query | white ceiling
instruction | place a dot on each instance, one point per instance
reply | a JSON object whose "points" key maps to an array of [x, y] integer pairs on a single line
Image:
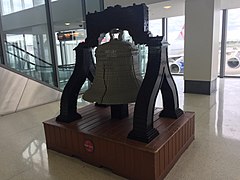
{"points": [[230, 4], [129, 2], [157, 11]]}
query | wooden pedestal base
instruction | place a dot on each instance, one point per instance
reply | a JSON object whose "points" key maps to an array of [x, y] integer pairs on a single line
{"points": [[103, 142]]}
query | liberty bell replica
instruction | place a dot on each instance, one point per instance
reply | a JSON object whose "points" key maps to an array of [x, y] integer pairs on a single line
{"points": [[115, 82]]}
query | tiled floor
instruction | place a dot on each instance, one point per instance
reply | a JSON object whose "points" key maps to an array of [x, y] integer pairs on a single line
{"points": [[214, 154]]}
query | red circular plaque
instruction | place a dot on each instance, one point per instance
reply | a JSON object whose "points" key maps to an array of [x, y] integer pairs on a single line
{"points": [[88, 145]]}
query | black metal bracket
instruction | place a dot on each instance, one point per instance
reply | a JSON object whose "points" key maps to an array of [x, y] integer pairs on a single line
{"points": [[119, 111], [133, 18], [157, 77], [84, 68]]}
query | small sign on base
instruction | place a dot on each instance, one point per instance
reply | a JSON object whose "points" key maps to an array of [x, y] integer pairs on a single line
{"points": [[103, 142]]}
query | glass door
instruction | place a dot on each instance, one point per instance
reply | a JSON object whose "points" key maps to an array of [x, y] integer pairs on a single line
{"points": [[176, 44], [66, 41], [232, 66]]}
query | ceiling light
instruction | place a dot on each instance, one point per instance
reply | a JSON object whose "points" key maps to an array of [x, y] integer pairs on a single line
{"points": [[167, 7], [67, 23]]}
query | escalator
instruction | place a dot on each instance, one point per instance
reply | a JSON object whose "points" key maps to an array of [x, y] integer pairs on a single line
{"points": [[29, 64], [27, 80], [37, 68]]}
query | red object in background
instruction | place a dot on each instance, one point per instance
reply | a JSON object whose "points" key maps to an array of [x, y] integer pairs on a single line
{"points": [[88, 145]]}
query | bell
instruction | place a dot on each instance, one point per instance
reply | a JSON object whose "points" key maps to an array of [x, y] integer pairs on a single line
{"points": [[115, 81]]}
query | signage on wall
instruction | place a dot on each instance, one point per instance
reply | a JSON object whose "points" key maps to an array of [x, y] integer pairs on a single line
{"points": [[89, 146], [68, 36]]}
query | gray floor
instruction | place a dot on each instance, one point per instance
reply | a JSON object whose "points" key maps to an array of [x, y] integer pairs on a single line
{"points": [[214, 154]]}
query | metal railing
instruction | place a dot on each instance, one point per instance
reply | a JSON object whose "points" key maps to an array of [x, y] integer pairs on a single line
{"points": [[39, 69]]}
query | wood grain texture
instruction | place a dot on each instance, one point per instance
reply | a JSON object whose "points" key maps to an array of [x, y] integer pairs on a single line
{"points": [[112, 149]]}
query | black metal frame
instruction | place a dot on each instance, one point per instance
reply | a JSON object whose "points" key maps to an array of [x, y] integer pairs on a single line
{"points": [[84, 68], [51, 37], [158, 76]]}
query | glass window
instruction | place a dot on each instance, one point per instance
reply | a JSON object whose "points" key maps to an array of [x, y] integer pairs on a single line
{"points": [[27, 43], [176, 41], [155, 26], [232, 67], [6, 7], [11, 6], [17, 5], [28, 4], [38, 2], [69, 32]]}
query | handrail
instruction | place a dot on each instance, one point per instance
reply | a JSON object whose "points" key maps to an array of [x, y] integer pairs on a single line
{"points": [[66, 66], [30, 77], [28, 53], [27, 61]]}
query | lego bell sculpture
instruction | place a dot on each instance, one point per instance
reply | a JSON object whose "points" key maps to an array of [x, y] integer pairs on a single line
{"points": [[115, 82]]}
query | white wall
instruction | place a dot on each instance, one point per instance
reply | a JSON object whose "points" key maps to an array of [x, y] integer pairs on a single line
{"points": [[215, 42], [92, 5], [229, 4], [18, 92]]}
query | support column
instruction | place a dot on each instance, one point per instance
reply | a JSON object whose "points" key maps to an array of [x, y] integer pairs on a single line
{"points": [[51, 36], [164, 28], [223, 43], [201, 52]]}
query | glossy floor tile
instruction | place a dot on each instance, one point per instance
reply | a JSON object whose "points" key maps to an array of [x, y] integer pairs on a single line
{"points": [[214, 154]]}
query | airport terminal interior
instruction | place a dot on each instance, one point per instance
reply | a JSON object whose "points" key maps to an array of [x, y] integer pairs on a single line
{"points": [[37, 58], [214, 154]]}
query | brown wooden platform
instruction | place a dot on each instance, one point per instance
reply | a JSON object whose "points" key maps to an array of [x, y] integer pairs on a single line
{"points": [[101, 141]]}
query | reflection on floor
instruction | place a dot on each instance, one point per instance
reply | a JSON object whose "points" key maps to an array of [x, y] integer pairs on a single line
{"points": [[214, 155]]}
